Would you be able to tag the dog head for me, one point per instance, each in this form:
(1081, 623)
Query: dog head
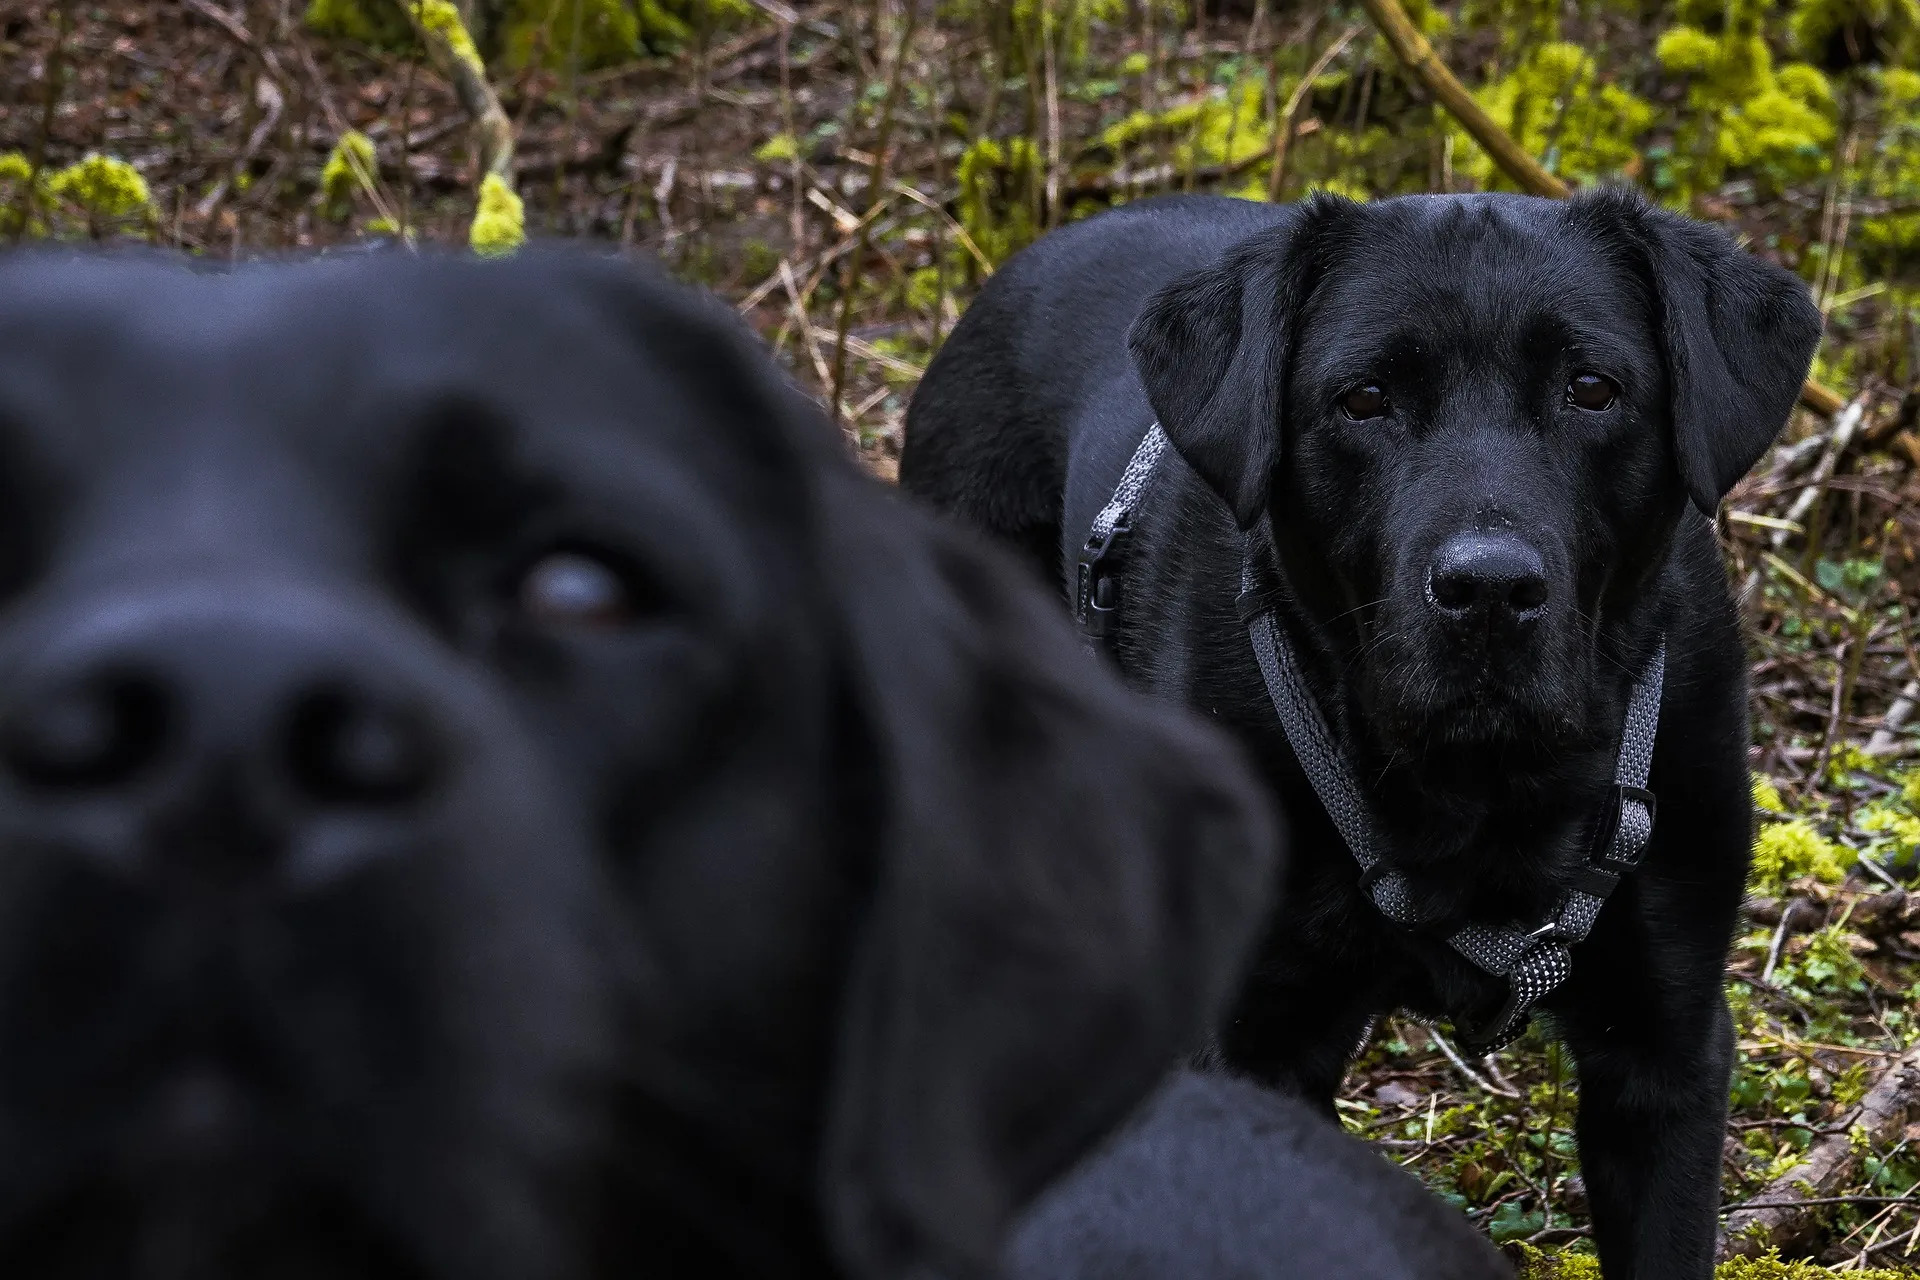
(487, 790)
(1475, 422)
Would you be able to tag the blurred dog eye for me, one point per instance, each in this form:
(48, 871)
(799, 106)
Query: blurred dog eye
(1591, 391)
(1363, 403)
(572, 588)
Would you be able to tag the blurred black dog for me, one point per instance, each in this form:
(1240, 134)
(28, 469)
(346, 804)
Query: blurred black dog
(1219, 1179)
(489, 791)
(1462, 433)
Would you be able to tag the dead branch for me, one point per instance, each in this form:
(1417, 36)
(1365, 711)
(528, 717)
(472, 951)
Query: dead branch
(438, 25)
(1842, 437)
(1417, 54)
(1781, 1214)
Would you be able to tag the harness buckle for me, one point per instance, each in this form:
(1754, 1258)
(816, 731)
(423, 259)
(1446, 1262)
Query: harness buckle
(1097, 589)
(1499, 1031)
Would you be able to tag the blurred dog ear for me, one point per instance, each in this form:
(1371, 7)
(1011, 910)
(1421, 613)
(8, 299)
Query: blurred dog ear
(1070, 879)
(1738, 334)
(1211, 349)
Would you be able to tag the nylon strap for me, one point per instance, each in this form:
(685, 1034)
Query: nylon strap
(1533, 959)
(1097, 581)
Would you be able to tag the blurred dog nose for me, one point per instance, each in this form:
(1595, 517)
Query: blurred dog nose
(1487, 577)
(224, 730)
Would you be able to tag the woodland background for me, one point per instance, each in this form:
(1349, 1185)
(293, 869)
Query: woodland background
(849, 171)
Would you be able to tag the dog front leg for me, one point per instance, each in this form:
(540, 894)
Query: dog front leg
(1297, 1037)
(1653, 1114)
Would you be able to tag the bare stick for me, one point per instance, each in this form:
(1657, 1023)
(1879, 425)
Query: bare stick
(1460, 1064)
(1779, 1214)
(454, 55)
(1837, 443)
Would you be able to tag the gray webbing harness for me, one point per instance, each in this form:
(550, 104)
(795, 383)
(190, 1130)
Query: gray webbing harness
(1533, 960)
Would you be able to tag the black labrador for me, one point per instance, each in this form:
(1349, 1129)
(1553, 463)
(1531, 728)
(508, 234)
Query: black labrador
(1219, 1179)
(488, 791)
(1482, 438)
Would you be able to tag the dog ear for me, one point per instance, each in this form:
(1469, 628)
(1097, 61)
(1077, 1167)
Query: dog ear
(1070, 879)
(1211, 352)
(1739, 333)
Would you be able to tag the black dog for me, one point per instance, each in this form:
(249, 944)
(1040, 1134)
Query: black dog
(1219, 1179)
(488, 791)
(1467, 431)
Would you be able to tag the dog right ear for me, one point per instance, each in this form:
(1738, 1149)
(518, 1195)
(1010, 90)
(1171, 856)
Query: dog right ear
(1070, 876)
(1211, 351)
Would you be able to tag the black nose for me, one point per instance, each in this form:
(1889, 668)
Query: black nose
(220, 734)
(1487, 577)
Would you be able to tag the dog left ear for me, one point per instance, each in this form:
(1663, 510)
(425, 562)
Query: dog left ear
(1210, 348)
(1069, 879)
(1739, 334)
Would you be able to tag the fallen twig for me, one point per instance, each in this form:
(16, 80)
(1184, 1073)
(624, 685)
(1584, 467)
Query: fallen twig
(1844, 428)
(1460, 1063)
(1778, 1215)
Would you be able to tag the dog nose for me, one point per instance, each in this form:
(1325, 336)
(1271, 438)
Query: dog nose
(221, 733)
(1487, 577)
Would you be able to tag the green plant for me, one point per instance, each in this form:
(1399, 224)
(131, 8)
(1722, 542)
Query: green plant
(1000, 190)
(1745, 114)
(1557, 107)
(499, 223)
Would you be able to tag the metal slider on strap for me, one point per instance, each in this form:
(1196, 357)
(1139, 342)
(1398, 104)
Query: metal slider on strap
(1097, 593)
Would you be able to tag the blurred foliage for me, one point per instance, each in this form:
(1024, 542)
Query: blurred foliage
(558, 34)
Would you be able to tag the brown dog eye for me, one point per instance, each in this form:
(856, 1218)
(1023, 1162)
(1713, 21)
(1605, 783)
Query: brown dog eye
(1363, 403)
(570, 588)
(1591, 391)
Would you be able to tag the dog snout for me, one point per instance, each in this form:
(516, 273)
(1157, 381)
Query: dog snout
(273, 729)
(1487, 579)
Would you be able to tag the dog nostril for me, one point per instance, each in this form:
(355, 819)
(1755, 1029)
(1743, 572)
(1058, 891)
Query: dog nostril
(353, 750)
(1454, 592)
(1528, 594)
(93, 734)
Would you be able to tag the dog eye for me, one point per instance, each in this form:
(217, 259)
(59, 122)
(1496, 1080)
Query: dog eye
(1591, 391)
(1363, 403)
(572, 588)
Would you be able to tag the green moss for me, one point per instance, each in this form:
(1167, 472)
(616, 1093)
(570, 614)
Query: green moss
(16, 171)
(95, 194)
(102, 188)
(781, 148)
(1226, 126)
(1786, 851)
(350, 167)
(443, 20)
(1555, 105)
(1766, 796)
(499, 224)
(1744, 113)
